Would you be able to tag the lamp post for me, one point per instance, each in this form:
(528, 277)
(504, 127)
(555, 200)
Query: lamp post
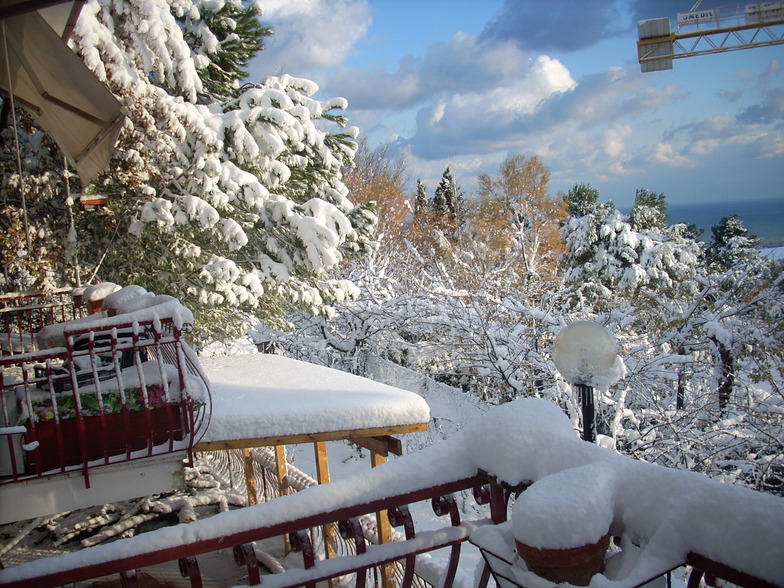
(585, 354)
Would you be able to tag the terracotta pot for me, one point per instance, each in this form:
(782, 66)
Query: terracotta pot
(575, 565)
(94, 306)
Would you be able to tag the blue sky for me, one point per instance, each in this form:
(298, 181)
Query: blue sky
(467, 83)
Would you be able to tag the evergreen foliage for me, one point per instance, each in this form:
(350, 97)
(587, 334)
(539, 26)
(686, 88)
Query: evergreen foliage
(447, 197)
(649, 212)
(231, 199)
(732, 244)
(581, 199)
(224, 37)
(420, 198)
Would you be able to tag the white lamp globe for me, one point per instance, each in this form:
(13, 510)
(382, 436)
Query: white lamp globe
(585, 353)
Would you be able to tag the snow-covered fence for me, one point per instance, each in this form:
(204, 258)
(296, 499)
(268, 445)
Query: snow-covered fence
(25, 313)
(284, 517)
(111, 391)
(572, 491)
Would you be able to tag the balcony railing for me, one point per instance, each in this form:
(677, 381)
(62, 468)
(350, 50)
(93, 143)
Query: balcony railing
(360, 563)
(114, 391)
(25, 313)
(65, 408)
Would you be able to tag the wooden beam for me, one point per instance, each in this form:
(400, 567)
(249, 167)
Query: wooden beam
(309, 437)
(383, 444)
(322, 462)
(281, 469)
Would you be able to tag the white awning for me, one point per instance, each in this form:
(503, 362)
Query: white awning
(56, 87)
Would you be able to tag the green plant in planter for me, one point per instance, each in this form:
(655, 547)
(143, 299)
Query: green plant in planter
(91, 406)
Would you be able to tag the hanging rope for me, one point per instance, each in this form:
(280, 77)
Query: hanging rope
(72, 236)
(16, 137)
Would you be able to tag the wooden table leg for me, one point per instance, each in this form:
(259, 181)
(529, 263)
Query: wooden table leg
(250, 477)
(322, 472)
(281, 469)
(384, 530)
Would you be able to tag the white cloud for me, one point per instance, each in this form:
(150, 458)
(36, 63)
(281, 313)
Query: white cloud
(615, 140)
(437, 113)
(544, 78)
(310, 34)
(771, 145)
(486, 118)
(666, 154)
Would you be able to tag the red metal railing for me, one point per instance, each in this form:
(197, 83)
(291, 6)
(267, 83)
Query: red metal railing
(117, 391)
(362, 564)
(364, 560)
(25, 313)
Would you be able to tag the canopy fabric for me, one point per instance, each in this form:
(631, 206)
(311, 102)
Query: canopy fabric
(67, 100)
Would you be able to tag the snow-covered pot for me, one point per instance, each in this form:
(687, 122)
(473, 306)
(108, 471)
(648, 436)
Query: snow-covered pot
(575, 565)
(562, 523)
(116, 301)
(77, 294)
(94, 306)
(95, 295)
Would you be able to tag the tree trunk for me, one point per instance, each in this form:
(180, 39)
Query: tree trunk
(727, 381)
(680, 398)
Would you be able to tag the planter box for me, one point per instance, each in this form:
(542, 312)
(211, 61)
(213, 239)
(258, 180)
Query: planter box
(105, 435)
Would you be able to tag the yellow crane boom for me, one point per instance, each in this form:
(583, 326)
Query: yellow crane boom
(706, 31)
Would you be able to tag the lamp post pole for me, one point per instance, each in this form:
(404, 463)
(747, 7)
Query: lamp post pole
(585, 353)
(589, 412)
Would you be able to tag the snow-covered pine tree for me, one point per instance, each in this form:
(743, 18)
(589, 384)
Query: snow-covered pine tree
(420, 198)
(238, 206)
(649, 212)
(447, 196)
(607, 259)
(580, 199)
(224, 37)
(732, 244)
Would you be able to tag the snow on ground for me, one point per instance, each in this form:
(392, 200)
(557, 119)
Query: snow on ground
(773, 253)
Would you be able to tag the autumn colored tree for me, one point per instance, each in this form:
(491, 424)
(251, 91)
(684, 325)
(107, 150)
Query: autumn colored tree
(515, 215)
(377, 177)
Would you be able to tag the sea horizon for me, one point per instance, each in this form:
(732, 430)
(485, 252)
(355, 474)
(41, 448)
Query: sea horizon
(762, 217)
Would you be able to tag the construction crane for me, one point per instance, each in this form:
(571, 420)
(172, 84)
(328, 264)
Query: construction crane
(709, 30)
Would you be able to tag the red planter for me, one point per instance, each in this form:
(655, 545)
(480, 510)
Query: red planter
(94, 306)
(575, 565)
(106, 435)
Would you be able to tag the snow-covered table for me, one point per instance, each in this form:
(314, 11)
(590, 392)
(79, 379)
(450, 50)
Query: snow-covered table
(269, 400)
(260, 399)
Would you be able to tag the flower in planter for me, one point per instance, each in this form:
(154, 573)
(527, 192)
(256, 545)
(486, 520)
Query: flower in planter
(156, 395)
